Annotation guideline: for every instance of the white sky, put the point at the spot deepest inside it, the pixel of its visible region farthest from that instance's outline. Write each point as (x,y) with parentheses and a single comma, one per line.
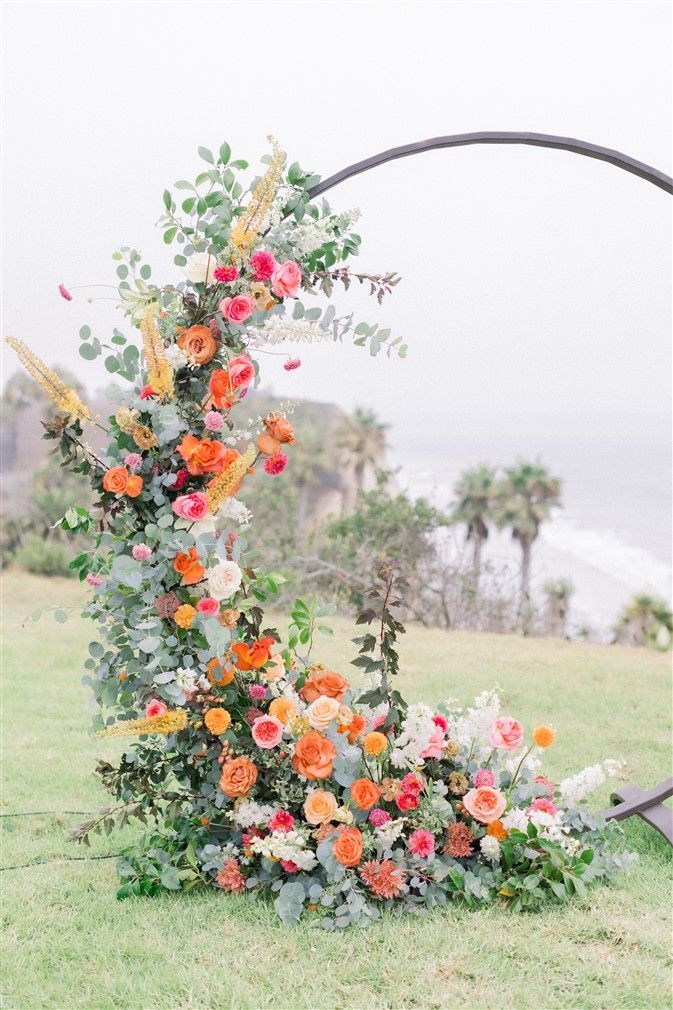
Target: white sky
(535,281)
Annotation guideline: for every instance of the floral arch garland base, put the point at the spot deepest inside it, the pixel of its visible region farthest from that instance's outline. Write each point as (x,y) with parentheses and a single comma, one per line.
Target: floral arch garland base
(257,769)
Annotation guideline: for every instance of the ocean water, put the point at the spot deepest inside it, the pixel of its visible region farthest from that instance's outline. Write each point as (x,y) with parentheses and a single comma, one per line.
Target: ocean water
(612,537)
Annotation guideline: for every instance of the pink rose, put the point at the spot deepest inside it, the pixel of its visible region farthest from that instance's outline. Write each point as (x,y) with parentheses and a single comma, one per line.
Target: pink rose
(237,309)
(506,733)
(208,606)
(241,371)
(286,279)
(263,265)
(485,804)
(192,506)
(413,784)
(155,707)
(436,745)
(421,843)
(267,731)
(141,552)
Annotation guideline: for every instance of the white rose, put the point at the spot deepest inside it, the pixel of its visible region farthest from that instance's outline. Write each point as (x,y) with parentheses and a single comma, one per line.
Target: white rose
(322,712)
(200,267)
(223,580)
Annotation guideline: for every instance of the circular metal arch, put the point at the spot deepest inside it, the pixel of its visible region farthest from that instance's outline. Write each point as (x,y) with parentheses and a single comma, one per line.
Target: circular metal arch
(622,161)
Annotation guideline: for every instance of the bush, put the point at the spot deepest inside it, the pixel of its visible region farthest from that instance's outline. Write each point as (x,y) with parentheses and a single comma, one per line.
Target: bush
(43,557)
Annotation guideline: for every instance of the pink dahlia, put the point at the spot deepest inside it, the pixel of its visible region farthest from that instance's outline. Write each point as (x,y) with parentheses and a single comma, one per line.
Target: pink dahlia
(225,275)
(378,817)
(141,552)
(133,460)
(257,692)
(484,777)
(275,464)
(213,420)
(421,843)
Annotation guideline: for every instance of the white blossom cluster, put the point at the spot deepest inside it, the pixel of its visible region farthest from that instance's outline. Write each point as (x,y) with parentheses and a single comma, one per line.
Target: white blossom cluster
(236,511)
(312,234)
(388,833)
(176,357)
(474,724)
(490,848)
(285,845)
(414,738)
(549,826)
(186,678)
(279,329)
(250,814)
(576,787)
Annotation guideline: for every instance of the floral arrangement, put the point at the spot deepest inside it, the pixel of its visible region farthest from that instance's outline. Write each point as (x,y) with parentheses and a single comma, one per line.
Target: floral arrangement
(257,769)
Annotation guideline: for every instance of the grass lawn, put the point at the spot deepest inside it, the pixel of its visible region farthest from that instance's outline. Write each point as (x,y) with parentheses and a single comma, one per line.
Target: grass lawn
(69,943)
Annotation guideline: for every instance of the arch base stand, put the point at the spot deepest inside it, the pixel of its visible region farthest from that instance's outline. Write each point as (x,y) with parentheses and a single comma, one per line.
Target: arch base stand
(646,803)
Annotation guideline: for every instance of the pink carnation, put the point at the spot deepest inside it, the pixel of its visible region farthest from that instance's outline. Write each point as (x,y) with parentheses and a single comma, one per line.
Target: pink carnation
(208,606)
(94,580)
(407,801)
(544,804)
(237,309)
(225,275)
(413,784)
(141,552)
(421,843)
(191,506)
(281,821)
(267,731)
(379,817)
(155,707)
(263,265)
(213,420)
(289,866)
(286,279)
(506,733)
(133,460)
(64,293)
(275,464)
(291,364)
(257,692)
(484,777)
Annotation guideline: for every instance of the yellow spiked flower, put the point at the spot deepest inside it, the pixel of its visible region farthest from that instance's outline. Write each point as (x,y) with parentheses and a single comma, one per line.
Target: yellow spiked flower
(170,722)
(244,234)
(159,372)
(63,396)
(222,487)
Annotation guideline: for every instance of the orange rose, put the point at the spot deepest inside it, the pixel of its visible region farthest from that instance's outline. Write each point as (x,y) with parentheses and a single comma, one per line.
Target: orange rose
(221,389)
(198,343)
(134,485)
(354,728)
(203,455)
(331,684)
(268,445)
(116,479)
(544,736)
(320,806)
(313,756)
(279,428)
(375,744)
(188,566)
(252,657)
(348,847)
(365,793)
(217,720)
(238,777)
(283,709)
(220,672)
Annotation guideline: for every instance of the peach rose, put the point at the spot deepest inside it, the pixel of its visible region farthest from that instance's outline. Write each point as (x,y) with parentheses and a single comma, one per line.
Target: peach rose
(322,712)
(274,669)
(333,685)
(238,777)
(267,731)
(203,455)
(506,733)
(217,720)
(320,806)
(279,428)
(267,444)
(198,343)
(485,804)
(348,847)
(286,279)
(365,793)
(313,756)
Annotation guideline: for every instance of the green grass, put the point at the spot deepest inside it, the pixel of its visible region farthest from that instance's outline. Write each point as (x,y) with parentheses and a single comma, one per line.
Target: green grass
(69,943)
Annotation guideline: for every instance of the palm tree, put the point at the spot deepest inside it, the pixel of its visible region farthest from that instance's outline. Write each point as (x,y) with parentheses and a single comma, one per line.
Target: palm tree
(474,494)
(558,593)
(646,620)
(362,442)
(524,498)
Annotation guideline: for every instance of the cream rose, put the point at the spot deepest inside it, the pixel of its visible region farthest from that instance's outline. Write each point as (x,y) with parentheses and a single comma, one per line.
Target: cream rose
(200,268)
(223,580)
(320,806)
(322,711)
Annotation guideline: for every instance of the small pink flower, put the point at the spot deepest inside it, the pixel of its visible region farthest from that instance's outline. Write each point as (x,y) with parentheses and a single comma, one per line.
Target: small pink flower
(413,784)
(192,506)
(421,843)
(180,479)
(286,279)
(542,780)
(213,420)
(267,731)
(378,817)
(289,866)
(281,821)
(484,777)
(133,460)
(94,580)
(237,309)
(263,265)
(208,606)
(275,464)
(257,692)
(225,275)
(64,293)
(155,707)
(506,733)
(141,552)
(146,393)
(291,364)
(544,804)
(436,745)
(442,722)
(379,719)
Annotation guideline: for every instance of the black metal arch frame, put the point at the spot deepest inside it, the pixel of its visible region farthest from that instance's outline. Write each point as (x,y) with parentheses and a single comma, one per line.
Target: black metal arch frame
(616,158)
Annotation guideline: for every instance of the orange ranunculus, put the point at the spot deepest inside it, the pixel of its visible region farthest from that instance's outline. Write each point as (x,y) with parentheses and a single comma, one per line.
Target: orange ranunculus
(204,455)
(279,428)
(252,657)
(184,616)
(320,806)
(116,480)
(354,728)
(331,684)
(188,566)
(267,444)
(544,736)
(375,743)
(221,389)
(365,793)
(283,709)
(198,343)
(348,847)
(217,720)
(220,672)
(313,756)
(238,777)
(497,829)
